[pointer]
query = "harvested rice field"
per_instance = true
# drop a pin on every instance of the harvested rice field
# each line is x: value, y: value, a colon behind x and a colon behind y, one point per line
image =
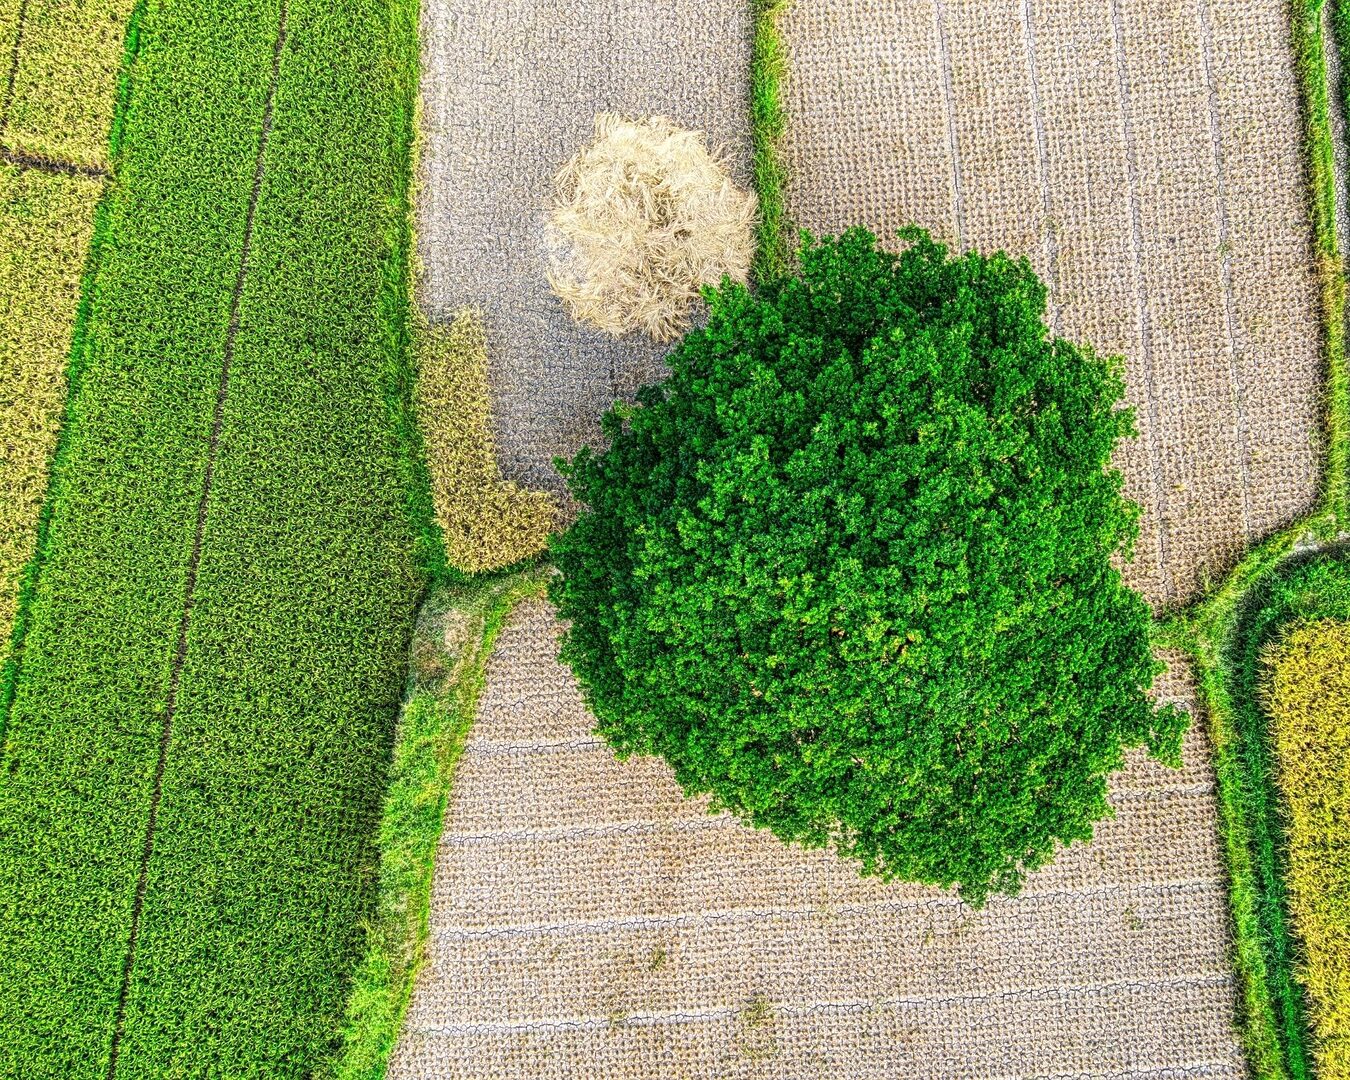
x: 486, y: 185
x: 586, y: 920
x: 1147, y: 156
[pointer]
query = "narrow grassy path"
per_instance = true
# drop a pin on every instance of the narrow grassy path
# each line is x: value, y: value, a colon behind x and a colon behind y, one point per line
x: 216, y: 631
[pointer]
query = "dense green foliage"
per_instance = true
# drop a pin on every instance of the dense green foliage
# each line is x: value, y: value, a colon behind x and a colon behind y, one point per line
x: 849, y: 568
x: 275, y: 709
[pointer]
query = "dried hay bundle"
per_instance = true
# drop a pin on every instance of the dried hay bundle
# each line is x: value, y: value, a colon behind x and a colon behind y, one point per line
x: 645, y: 216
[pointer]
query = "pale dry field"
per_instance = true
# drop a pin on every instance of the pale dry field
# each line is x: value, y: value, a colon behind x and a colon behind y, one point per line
x: 1145, y: 154
x: 588, y: 921
x: 45, y: 226
x: 510, y: 91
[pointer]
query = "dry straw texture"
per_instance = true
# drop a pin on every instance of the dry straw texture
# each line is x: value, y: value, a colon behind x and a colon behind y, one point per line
x: 587, y: 920
x: 1307, y: 693
x: 45, y: 225
x: 645, y: 217
x: 1147, y: 156
x: 487, y: 523
x: 510, y: 90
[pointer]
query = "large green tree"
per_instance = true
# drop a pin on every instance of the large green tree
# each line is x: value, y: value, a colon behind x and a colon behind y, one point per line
x: 849, y: 569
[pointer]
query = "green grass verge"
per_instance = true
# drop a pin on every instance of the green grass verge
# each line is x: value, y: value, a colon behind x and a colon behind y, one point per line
x: 1334, y: 289
x: 1313, y: 585
x: 775, y: 238
x: 455, y: 637
x: 274, y: 701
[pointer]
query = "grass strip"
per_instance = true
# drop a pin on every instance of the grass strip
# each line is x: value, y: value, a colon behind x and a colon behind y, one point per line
x: 1334, y: 290
x: 455, y: 636
x: 1305, y: 690
x: 262, y: 864
x: 775, y: 235
x: 63, y: 68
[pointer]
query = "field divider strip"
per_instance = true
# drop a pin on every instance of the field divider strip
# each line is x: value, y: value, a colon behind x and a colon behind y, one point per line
x: 650, y: 1018
x: 20, y: 23
x: 1141, y: 295
x: 1226, y: 269
x: 1042, y: 165
x: 51, y: 165
x: 949, y: 97
x: 194, y: 559
x: 704, y: 918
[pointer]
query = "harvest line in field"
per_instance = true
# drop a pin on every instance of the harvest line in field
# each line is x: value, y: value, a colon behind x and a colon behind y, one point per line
x: 1142, y: 299
x: 866, y: 1006
x: 1226, y: 273
x: 48, y: 165
x: 194, y: 560
x: 795, y: 913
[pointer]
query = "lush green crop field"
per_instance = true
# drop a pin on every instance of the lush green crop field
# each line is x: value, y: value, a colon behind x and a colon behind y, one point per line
x: 60, y: 61
x: 201, y: 719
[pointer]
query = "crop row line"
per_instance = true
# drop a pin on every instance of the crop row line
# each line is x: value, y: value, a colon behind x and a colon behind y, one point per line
x: 1041, y: 992
x: 51, y: 165
x: 194, y: 559
x: 702, y: 919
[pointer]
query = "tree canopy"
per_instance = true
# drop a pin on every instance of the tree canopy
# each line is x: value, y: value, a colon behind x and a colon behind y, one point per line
x: 850, y: 568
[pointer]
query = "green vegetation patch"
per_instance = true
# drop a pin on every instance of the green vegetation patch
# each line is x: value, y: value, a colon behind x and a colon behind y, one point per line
x: 60, y: 60
x: 1306, y: 692
x: 455, y: 635
x: 775, y: 236
x: 850, y: 568
x: 1309, y: 586
x: 225, y: 589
